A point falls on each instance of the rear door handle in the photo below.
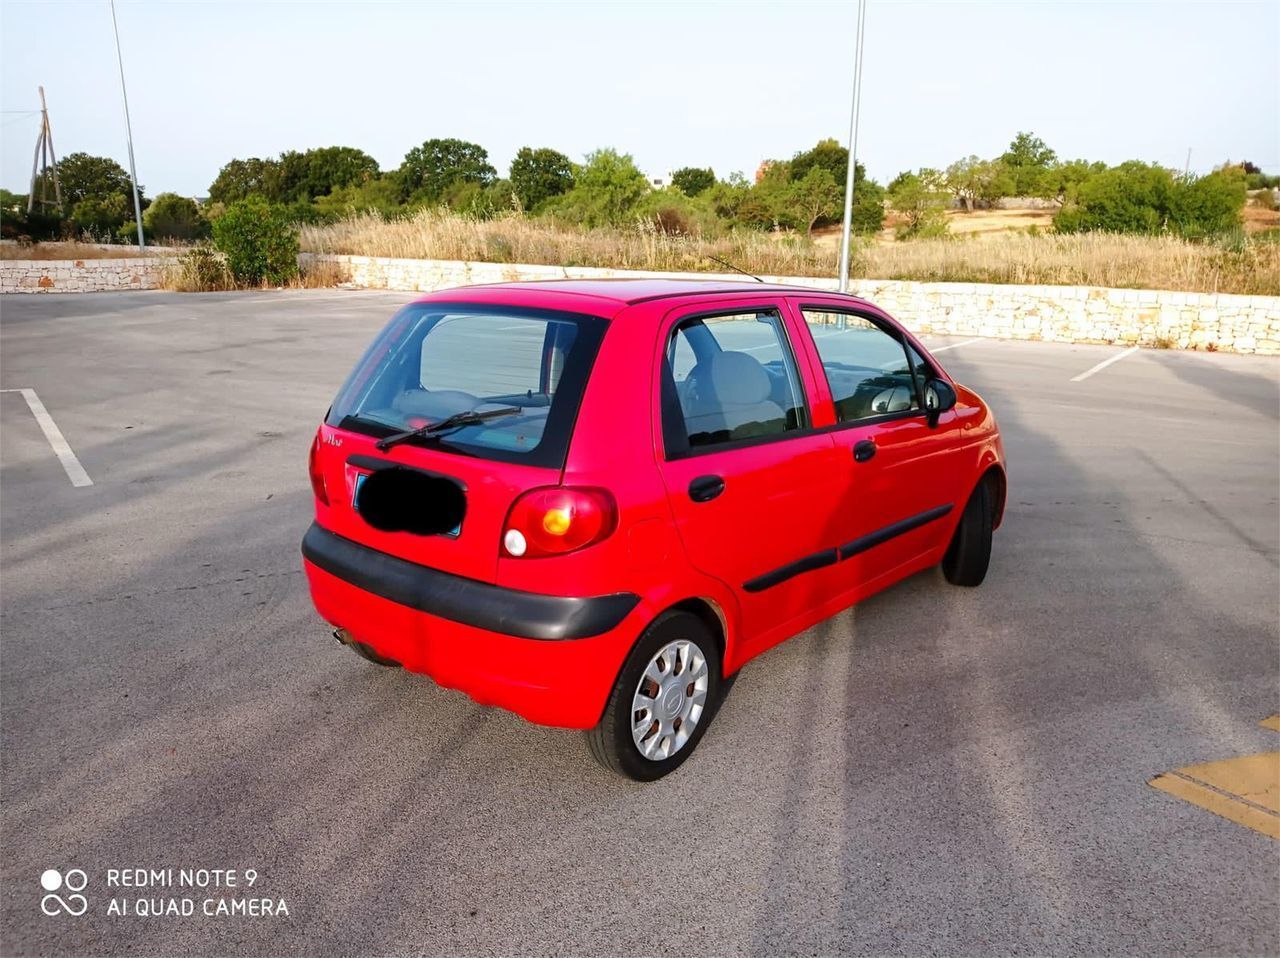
(705, 488)
(864, 450)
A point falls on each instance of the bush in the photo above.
(175, 217)
(1208, 205)
(259, 242)
(200, 269)
(1144, 198)
(606, 191)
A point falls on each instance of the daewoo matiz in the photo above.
(591, 502)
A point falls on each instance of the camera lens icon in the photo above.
(51, 880)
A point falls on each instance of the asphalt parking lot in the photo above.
(936, 770)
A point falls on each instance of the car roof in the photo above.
(619, 292)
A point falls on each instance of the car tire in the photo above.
(969, 554)
(697, 657)
(366, 652)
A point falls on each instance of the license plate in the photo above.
(355, 503)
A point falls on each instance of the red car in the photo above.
(591, 502)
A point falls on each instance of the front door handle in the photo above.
(864, 450)
(706, 488)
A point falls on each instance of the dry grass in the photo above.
(1128, 262)
(320, 274)
(1253, 266)
(73, 251)
(434, 234)
(201, 269)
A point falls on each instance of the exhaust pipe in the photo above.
(343, 636)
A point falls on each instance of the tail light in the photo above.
(556, 520)
(317, 475)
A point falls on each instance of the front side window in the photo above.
(868, 369)
(731, 378)
(526, 369)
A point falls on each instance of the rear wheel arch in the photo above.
(712, 616)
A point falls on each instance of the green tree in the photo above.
(318, 172)
(607, 189)
(868, 204)
(768, 205)
(430, 169)
(175, 217)
(693, 180)
(779, 200)
(538, 175)
(725, 197)
(85, 177)
(102, 216)
(922, 198)
(1029, 160)
(1065, 178)
(240, 179)
(258, 240)
(976, 182)
(828, 155)
(815, 197)
(379, 195)
(12, 202)
(868, 196)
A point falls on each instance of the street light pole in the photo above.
(853, 149)
(128, 131)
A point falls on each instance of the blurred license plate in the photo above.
(355, 501)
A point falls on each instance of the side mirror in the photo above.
(939, 396)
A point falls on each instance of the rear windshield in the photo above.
(528, 367)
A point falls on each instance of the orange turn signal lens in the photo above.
(557, 521)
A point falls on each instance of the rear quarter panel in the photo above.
(613, 448)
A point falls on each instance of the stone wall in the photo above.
(80, 275)
(1080, 314)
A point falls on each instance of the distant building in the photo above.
(659, 181)
(762, 169)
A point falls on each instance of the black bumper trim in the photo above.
(526, 615)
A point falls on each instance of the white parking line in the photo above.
(954, 345)
(1104, 364)
(61, 449)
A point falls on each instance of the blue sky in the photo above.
(719, 84)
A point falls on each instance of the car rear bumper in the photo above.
(550, 659)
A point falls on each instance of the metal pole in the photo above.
(53, 156)
(35, 165)
(853, 150)
(128, 131)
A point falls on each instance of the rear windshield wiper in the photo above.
(468, 417)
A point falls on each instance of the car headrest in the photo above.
(739, 378)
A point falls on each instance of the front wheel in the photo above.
(663, 700)
(969, 554)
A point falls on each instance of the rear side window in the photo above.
(727, 379)
(868, 369)
(434, 361)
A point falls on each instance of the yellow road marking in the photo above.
(1252, 778)
(1245, 790)
(1250, 816)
